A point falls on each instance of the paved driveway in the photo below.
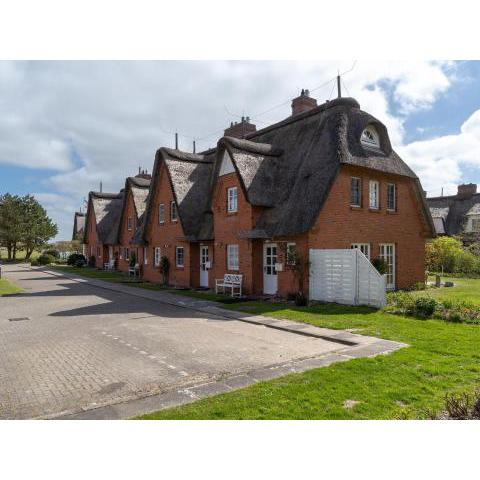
(82, 346)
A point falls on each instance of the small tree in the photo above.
(165, 269)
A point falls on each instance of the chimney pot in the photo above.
(303, 103)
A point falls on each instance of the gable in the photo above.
(227, 165)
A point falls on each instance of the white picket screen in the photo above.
(345, 276)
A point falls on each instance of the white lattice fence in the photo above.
(345, 276)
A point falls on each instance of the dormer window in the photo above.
(370, 138)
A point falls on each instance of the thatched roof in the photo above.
(78, 226)
(107, 208)
(453, 210)
(288, 168)
(189, 176)
(295, 162)
(139, 188)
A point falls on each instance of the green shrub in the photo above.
(425, 307)
(165, 269)
(73, 258)
(301, 300)
(380, 265)
(45, 259)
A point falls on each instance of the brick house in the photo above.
(176, 221)
(326, 177)
(457, 214)
(134, 202)
(102, 223)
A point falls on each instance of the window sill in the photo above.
(174, 221)
(230, 214)
(392, 212)
(355, 207)
(374, 210)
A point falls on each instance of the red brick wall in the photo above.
(167, 237)
(93, 245)
(339, 225)
(227, 227)
(126, 235)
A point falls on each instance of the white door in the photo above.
(203, 266)
(270, 279)
(387, 254)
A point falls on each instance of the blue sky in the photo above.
(66, 126)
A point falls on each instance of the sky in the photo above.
(66, 126)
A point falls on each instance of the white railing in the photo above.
(345, 276)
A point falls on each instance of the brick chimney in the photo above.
(240, 129)
(303, 103)
(466, 190)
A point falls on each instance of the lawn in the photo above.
(20, 255)
(410, 383)
(467, 289)
(7, 287)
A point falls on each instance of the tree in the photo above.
(37, 228)
(10, 223)
(444, 253)
(24, 223)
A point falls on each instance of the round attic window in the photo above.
(370, 138)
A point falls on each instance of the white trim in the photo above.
(289, 245)
(394, 197)
(233, 257)
(384, 254)
(359, 204)
(157, 256)
(363, 247)
(145, 255)
(374, 194)
(177, 257)
(173, 211)
(130, 223)
(232, 199)
(370, 138)
(161, 213)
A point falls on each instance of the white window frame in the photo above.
(288, 254)
(178, 257)
(232, 199)
(370, 138)
(390, 286)
(359, 204)
(363, 247)
(475, 221)
(161, 213)
(157, 255)
(127, 253)
(233, 257)
(145, 255)
(389, 208)
(173, 211)
(130, 223)
(374, 189)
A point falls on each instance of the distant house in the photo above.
(78, 226)
(457, 214)
(131, 219)
(101, 226)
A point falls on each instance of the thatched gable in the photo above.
(78, 226)
(107, 208)
(189, 176)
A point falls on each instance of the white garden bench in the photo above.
(230, 281)
(135, 271)
(110, 265)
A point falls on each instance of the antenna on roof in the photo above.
(194, 147)
(339, 86)
(176, 141)
(442, 191)
(101, 187)
(139, 170)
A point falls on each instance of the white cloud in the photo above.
(439, 161)
(99, 121)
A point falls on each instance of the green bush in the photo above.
(54, 253)
(425, 307)
(45, 259)
(301, 300)
(380, 265)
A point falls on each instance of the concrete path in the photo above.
(77, 348)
